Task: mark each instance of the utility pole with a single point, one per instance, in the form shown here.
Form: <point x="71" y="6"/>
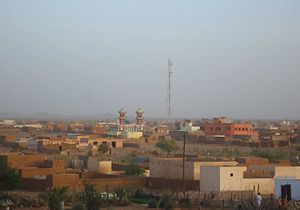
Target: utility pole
<point x="169" y="89"/>
<point x="183" y="166"/>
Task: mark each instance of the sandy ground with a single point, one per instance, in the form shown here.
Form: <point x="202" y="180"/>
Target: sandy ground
<point x="150" y="150"/>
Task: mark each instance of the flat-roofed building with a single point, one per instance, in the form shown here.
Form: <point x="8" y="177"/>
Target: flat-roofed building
<point x="223" y="126"/>
<point x="91" y="141"/>
<point x="238" y="178"/>
<point x="287" y="188"/>
<point x="99" y="166"/>
<point x="17" y="160"/>
<point x="220" y="178"/>
<point x="171" y="168"/>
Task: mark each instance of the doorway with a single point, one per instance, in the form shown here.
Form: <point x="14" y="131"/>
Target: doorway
<point x="113" y="144"/>
<point x="286" y="192"/>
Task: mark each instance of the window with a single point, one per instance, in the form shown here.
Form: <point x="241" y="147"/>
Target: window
<point x="231" y="174"/>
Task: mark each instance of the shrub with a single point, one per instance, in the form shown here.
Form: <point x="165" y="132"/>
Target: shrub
<point x="25" y="202"/>
<point x="167" y="146"/>
<point x="169" y="200"/>
<point x="55" y="197"/>
<point x="6" y="200"/>
<point x="91" y="197"/>
<point x="103" y="148"/>
<point x="153" y="203"/>
<point x="271" y="155"/>
<point x="133" y="169"/>
<point x="79" y="206"/>
<point x="123" y="197"/>
<point x="9" y="178"/>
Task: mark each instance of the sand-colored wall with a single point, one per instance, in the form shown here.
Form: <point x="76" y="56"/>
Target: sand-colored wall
<point x="166" y="168"/>
<point x="93" y="164"/>
<point x="71" y="181"/>
<point x="231" y="178"/>
<point x="263" y="185"/>
<point x="287" y="171"/>
<point x="17" y="160"/>
<point x="115" y="183"/>
<point x="214" y="178"/>
<point x="133" y="135"/>
<point x="173" y="184"/>
<point x="172" y="167"/>
<point x="104" y="167"/>
<point x="197" y="166"/>
<point x="118" y="144"/>
<point x="38" y="172"/>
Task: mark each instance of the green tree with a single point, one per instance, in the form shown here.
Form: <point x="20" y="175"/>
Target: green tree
<point x="123" y="197"/>
<point x="271" y="155"/>
<point x="55" y="197"/>
<point x="168" y="200"/>
<point x="9" y="178"/>
<point x="167" y="146"/>
<point x="91" y="197"/>
<point x="78" y="206"/>
<point x="133" y="169"/>
<point x="103" y="148"/>
<point x="130" y="158"/>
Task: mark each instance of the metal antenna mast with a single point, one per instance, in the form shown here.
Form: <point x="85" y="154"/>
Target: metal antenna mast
<point x="169" y="88"/>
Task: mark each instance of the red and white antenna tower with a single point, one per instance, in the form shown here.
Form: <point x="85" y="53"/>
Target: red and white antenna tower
<point x="169" y="89"/>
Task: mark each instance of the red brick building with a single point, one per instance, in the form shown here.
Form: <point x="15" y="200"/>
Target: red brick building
<point x="225" y="127"/>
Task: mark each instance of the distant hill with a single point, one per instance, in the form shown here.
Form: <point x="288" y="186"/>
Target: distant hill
<point x="49" y="116"/>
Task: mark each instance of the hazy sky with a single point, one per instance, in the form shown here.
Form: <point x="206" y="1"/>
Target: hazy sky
<point x="235" y="58"/>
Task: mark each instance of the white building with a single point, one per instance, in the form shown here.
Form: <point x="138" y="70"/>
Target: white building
<point x="188" y="126"/>
<point x="7" y="122"/>
<point x="33" y="125"/>
<point x="232" y="178"/>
